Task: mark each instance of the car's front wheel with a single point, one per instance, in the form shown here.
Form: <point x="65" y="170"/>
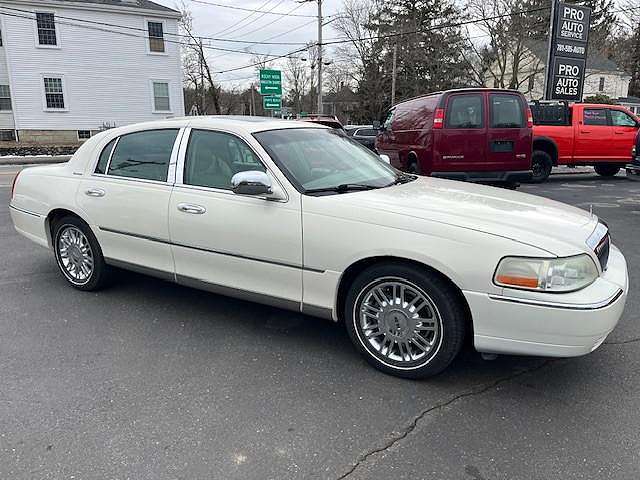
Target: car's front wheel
<point x="78" y="254"/>
<point x="405" y="320"/>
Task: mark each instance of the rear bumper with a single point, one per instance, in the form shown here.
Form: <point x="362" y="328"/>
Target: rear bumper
<point x="507" y="177"/>
<point x="558" y="325"/>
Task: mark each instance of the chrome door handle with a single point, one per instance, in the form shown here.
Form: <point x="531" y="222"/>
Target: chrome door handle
<point x="191" y="208"/>
<point x="95" y="192"/>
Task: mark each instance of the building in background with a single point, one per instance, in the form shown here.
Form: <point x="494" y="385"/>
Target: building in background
<point x="602" y="75"/>
<point x="71" y="68"/>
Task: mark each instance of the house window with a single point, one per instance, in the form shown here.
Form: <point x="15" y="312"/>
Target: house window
<point x="156" y="37"/>
<point x="161" y="97"/>
<point x="84" y="134"/>
<point x="601" y="85"/>
<point x="53" y="93"/>
<point x="7" y="135"/>
<point x="46" y="29"/>
<point x="5" y="97"/>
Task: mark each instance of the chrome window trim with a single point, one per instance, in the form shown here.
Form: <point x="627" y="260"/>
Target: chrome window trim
<point x="565" y="306"/>
<point x="182" y="158"/>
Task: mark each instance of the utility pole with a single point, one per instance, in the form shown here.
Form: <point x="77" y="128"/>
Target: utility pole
<point x="320" y="57"/>
<point x="253" y="102"/>
<point x="201" y="61"/>
<point x="393" y="74"/>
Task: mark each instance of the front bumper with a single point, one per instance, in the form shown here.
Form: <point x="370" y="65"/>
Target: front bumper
<point x="552" y="325"/>
<point x="633" y="170"/>
<point x="487" y="177"/>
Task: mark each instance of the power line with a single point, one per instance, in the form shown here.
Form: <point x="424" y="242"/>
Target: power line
<point x="231" y="27"/>
<point x="264" y="12"/>
<point x="144" y="30"/>
<point x="128" y="34"/>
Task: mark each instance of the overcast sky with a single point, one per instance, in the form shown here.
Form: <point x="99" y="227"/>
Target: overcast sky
<point x="219" y="22"/>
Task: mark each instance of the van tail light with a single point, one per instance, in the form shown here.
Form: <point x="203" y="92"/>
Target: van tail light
<point x="529" y="118"/>
<point x="438" y="118"/>
<point x="13" y="185"/>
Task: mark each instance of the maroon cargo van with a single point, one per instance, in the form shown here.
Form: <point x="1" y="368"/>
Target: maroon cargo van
<point x="473" y="134"/>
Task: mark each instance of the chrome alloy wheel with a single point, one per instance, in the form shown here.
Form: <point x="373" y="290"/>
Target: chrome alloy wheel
<point x="398" y="323"/>
<point x="74" y="254"/>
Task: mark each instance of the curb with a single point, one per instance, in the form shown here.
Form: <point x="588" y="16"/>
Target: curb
<point x="34" y="160"/>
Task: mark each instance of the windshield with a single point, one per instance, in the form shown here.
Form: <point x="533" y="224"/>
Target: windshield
<point x="319" y="159"/>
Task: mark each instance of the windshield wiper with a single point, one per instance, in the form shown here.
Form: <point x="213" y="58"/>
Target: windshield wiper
<point x="403" y="178"/>
<point x="343" y="188"/>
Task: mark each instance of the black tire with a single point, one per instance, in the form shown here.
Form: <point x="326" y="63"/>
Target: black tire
<point x="541" y="165"/>
<point x="606" y="169"/>
<point x="412" y="165"/>
<point x="449" y="309"/>
<point x="99" y="273"/>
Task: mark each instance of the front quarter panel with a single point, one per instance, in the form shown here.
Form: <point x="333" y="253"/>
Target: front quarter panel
<point x="338" y="234"/>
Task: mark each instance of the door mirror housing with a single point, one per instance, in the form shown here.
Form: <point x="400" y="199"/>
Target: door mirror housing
<point x="252" y="182"/>
<point x="385" y="159"/>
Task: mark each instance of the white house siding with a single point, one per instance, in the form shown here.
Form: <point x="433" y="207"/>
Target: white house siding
<point x="6" y="117"/>
<point x="107" y="76"/>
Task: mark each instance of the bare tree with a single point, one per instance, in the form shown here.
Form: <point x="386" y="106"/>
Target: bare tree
<point x="296" y="74"/>
<point x="505" y="57"/>
<point x="197" y="70"/>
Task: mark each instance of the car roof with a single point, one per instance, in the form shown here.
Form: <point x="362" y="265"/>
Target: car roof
<point x="458" y="90"/>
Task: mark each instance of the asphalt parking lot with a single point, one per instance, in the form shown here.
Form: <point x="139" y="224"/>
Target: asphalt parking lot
<point x="148" y="380"/>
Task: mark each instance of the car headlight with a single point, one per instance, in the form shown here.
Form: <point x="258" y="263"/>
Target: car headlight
<point x="546" y="274"/>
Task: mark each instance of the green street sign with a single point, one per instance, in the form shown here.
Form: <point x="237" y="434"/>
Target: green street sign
<point x="272" y="103"/>
<point x="270" y="82"/>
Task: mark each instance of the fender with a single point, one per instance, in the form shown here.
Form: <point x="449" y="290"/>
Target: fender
<point x="554" y="145"/>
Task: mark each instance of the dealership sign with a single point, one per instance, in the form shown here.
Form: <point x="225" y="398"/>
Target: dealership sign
<point x="568" y="51"/>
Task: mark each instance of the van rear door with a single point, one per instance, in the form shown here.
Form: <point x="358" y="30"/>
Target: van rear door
<point x="509" y="138"/>
<point x="460" y="145"/>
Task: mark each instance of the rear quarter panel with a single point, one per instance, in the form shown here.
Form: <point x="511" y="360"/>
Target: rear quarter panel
<point x="562" y="136"/>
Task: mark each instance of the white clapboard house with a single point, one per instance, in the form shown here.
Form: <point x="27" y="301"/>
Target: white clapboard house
<point x="69" y="68"/>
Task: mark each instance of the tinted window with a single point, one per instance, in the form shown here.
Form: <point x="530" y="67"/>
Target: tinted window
<point x="464" y="111"/>
<point x="214" y="157"/>
<point x="506" y="112"/>
<point x="143" y="155"/>
<point x="366" y="132"/>
<point x="319" y="158"/>
<point x="621" y="119"/>
<point x="595" y="116"/>
<point x="104" y="157"/>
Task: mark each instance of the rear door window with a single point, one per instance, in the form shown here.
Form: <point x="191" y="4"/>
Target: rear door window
<point x="595" y="116"/>
<point x="465" y="111"/>
<point x="506" y="111"/>
<point x="621" y="119"/>
<point x="101" y="167"/>
<point x="143" y="155"/>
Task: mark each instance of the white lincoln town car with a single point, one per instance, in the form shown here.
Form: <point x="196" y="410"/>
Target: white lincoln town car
<point x="297" y="216"/>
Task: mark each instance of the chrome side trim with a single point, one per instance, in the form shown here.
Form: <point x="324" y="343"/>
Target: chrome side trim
<point x="21" y="210"/>
<point x="239" y="294"/>
<point x="216" y="252"/>
<point x="566" y="306"/>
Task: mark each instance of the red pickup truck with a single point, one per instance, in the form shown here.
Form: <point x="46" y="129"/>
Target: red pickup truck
<point x="581" y="134"/>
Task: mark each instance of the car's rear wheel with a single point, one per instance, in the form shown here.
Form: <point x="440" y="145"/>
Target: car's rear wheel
<point x="541" y="165"/>
<point x="406" y="321"/>
<point x="78" y="254"/>
<point x="606" y="170"/>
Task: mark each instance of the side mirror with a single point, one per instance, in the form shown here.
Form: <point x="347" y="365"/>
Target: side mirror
<point x="385" y="159"/>
<point x="251" y="182"/>
<point x="376" y="125"/>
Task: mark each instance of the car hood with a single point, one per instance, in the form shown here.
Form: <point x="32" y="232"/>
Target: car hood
<point x="552" y="226"/>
